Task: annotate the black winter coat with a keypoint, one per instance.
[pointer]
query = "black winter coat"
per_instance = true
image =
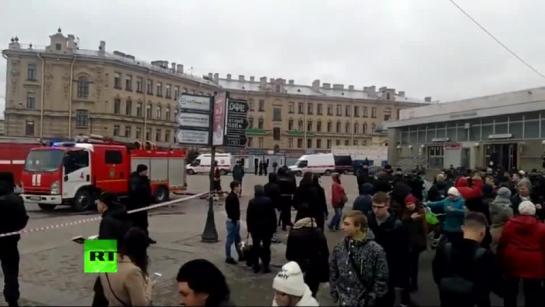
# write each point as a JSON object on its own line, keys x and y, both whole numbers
{"x": 308, "y": 247}
{"x": 310, "y": 201}
{"x": 272, "y": 191}
{"x": 114, "y": 225}
{"x": 13, "y": 215}
{"x": 260, "y": 216}
{"x": 139, "y": 191}
{"x": 232, "y": 207}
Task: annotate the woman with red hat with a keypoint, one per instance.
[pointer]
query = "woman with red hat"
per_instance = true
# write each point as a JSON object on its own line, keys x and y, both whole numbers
{"x": 414, "y": 218}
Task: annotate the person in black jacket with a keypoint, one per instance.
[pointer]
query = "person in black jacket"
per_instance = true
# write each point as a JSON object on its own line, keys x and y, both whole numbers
{"x": 393, "y": 236}
{"x": 232, "y": 206}
{"x": 307, "y": 246}
{"x": 322, "y": 212}
{"x": 261, "y": 223}
{"x": 272, "y": 191}
{"x": 288, "y": 187}
{"x": 13, "y": 218}
{"x": 464, "y": 272}
{"x": 364, "y": 201}
{"x": 139, "y": 197}
{"x": 310, "y": 200}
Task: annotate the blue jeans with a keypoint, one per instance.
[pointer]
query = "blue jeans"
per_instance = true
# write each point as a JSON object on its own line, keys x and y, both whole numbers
{"x": 336, "y": 220}
{"x": 233, "y": 236}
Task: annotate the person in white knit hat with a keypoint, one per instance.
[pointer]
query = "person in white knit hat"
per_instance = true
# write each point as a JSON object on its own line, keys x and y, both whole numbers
{"x": 290, "y": 288}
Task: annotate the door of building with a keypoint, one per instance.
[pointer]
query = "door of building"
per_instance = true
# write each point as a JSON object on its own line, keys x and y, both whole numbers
{"x": 465, "y": 158}
{"x": 502, "y": 155}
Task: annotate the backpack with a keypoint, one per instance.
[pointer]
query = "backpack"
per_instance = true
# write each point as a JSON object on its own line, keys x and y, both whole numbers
{"x": 457, "y": 285}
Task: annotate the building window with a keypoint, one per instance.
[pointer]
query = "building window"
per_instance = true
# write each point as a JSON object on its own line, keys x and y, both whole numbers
{"x": 318, "y": 126}
{"x": 158, "y": 135}
{"x": 82, "y": 118}
{"x": 310, "y": 108}
{"x": 117, "y": 80}
{"x": 291, "y": 107}
{"x": 148, "y": 134}
{"x": 330, "y": 110}
{"x": 329, "y": 126}
{"x": 300, "y": 108}
{"x": 290, "y": 142}
{"x": 117, "y": 106}
{"x": 83, "y": 87}
{"x": 397, "y": 112}
{"x": 309, "y": 125}
{"x": 128, "y": 83}
{"x": 128, "y": 107}
{"x": 249, "y": 143}
{"x": 138, "y": 133}
{"x": 158, "y": 112}
{"x": 338, "y": 127}
{"x": 309, "y": 143}
{"x": 328, "y": 143}
{"x": 167, "y": 114}
{"x": 167, "y": 136}
{"x": 261, "y": 105}
{"x": 30, "y": 101}
{"x": 356, "y": 111}
{"x": 260, "y": 123}
{"x": 290, "y": 124}
{"x": 346, "y": 142}
{"x": 365, "y": 112}
{"x": 29, "y": 128}
{"x": 319, "y": 109}
{"x": 31, "y": 72}
{"x": 250, "y": 122}
{"x": 435, "y": 156}
{"x": 128, "y": 131}
{"x": 347, "y": 127}
{"x": 338, "y": 142}
{"x": 168, "y": 90}
{"x": 139, "y": 85}
{"x": 364, "y": 128}
{"x": 387, "y": 114}
{"x": 318, "y": 143}
{"x": 356, "y": 128}
{"x": 116, "y": 130}
{"x": 339, "y": 110}
{"x": 373, "y": 112}
{"x": 277, "y": 115}
{"x": 355, "y": 143}
{"x": 260, "y": 141}
{"x": 251, "y": 105}
{"x": 148, "y": 111}
{"x": 150, "y": 87}
{"x": 300, "y": 125}
{"x": 176, "y": 92}
{"x": 139, "y": 112}
{"x": 299, "y": 143}
{"x": 58, "y": 47}
{"x": 159, "y": 89}
{"x": 347, "y": 111}
{"x": 276, "y": 134}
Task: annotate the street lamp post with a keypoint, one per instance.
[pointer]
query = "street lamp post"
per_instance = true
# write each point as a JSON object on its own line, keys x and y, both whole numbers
{"x": 210, "y": 234}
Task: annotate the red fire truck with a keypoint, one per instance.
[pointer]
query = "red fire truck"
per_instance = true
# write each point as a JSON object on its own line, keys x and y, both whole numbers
{"x": 75, "y": 173}
{"x": 13, "y": 153}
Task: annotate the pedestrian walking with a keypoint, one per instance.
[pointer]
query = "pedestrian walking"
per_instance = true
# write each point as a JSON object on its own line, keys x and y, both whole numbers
{"x": 522, "y": 251}
{"x": 464, "y": 272}
{"x": 338, "y": 199}
{"x": 393, "y": 236}
{"x": 364, "y": 201}
{"x": 201, "y": 283}
{"x": 140, "y": 197}
{"x": 500, "y": 212}
{"x": 322, "y": 214}
{"x": 261, "y": 167}
{"x": 216, "y": 179}
{"x": 307, "y": 246}
{"x": 454, "y": 209}
{"x": 13, "y": 218}
{"x": 358, "y": 274}
{"x": 256, "y": 166}
{"x": 275, "y": 166}
{"x": 290, "y": 288}
{"x": 238, "y": 174}
{"x": 130, "y": 285}
{"x": 261, "y": 223}
{"x": 272, "y": 191}
{"x": 287, "y": 191}
{"x": 266, "y": 168}
{"x": 307, "y": 198}
{"x": 414, "y": 219}
{"x": 232, "y": 206}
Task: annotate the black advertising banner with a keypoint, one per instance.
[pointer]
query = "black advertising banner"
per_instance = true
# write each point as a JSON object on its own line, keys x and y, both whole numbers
{"x": 236, "y": 123}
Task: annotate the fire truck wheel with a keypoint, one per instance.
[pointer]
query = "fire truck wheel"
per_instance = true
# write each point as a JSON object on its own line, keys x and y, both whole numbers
{"x": 161, "y": 195}
{"x": 47, "y": 207}
{"x": 83, "y": 200}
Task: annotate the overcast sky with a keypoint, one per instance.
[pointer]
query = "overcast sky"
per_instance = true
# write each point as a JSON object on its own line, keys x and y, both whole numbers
{"x": 424, "y": 47}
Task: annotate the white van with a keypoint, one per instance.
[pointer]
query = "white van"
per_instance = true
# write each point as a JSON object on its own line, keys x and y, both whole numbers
{"x": 322, "y": 163}
{"x": 202, "y": 164}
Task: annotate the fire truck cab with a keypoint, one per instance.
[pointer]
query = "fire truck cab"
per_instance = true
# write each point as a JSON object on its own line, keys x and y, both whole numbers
{"x": 72, "y": 173}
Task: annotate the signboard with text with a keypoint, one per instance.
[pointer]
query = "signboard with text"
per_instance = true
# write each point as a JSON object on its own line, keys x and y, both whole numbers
{"x": 236, "y": 123}
{"x": 193, "y": 118}
{"x": 219, "y": 119}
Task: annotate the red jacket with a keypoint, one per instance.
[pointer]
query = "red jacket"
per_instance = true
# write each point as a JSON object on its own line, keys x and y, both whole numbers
{"x": 522, "y": 247}
{"x": 337, "y": 193}
{"x": 475, "y": 191}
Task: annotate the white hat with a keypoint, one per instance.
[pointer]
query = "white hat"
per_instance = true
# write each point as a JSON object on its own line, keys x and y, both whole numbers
{"x": 290, "y": 280}
{"x": 527, "y": 208}
{"x": 454, "y": 191}
{"x": 522, "y": 173}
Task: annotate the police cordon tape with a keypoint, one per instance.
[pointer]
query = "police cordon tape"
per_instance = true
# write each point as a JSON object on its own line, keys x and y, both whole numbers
{"x": 98, "y": 218}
